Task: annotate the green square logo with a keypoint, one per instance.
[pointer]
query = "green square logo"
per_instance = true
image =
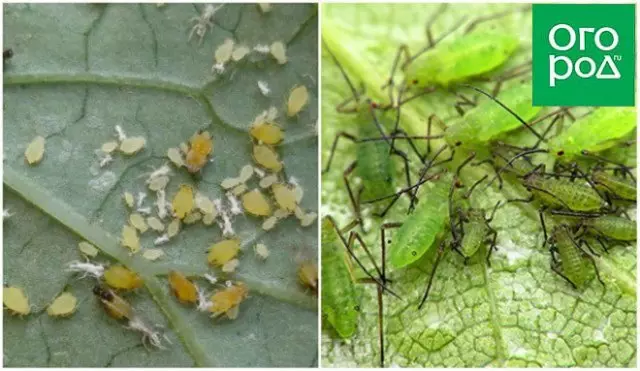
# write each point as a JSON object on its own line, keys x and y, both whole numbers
{"x": 584, "y": 54}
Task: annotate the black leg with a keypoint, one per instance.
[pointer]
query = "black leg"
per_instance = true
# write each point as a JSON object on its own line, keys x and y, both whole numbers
{"x": 341, "y": 134}
{"x": 433, "y": 271}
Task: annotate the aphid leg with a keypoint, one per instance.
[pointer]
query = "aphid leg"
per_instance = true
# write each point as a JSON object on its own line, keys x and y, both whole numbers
{"x": 433, "y": 43}
{"x": 493, "y": 166}
{"x": 474, "y": 185}
{"x": 544, "y": 226}
{"x": 554, "y": 268}
{"x": 624, "y": 169}
{"x": 604, "y": 247}
{"x": 588, "y": 245}
{"x": 432, "y": 275}
{"x": 368, "y": 252}
{"x": 341, "y": 134}
{"x": 345, "y": 176}
{"x": 403, "y": 50}
{"x": 509, "y": 74}
{"x": 493, "y": 212}
{"x": 464, "y": 101}
{"x": 493, "y": 245}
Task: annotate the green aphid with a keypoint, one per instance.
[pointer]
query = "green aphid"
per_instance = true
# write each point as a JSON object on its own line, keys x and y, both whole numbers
{"x": 575, "y": 264}
{"x": 612, "y": 227}
{"x": 623, "y": 188}
{"x": 563, "y": 193}
{"x": 424, "y": 227}
{"x": 339, "y": 301}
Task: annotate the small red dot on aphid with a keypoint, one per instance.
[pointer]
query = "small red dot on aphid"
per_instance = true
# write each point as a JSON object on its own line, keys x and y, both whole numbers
{"x": 415, "y": 82}
{"x": 374, "y": 105}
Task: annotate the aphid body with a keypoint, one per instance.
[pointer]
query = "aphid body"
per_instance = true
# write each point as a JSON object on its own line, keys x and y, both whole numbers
{"x": 573, "y": 263}
{"x": 113, "y": 304}
{"x": 15, "y": 300}
{"x": 614, "y": 227}
{"x": 64, "y": 305}
{"x": 228, "y": 299}
{"x": 200, "y": 147}
{"x": 183, "y": 201}
{"x": 339, "y": 302}
{"x": 563, "y": 193}
{"x": 122, "y": 278}
{"x": 182, "y": 287}
{"x": 308, "y": 275}
{"x": 620, "y": 187}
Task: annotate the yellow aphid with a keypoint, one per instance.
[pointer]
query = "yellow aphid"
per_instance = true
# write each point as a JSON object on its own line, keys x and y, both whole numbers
{"x": 193, "y": 217}
{"x": 109, "y": 147}
{"x": 246, "y": 173}
{"x": 15, "y": 300}
{"x": 63, "y": 305}
{"x": 285, "y": 196}
{"x": 158, "y": 183}
{"x": 255, "y": 203}
{"x": 223, "y": 251}
{"x": 175, "y": 156}
{"x": 279, "y": 52}
{"x": 128, "y": 199}
{"x": 183, "y": 288}
{"x": 299, "y": 193}
{"x": 138, "y": 222}
{"x": 308, "y": 219}
{"x": 264, "y": 7}
{"x": 152, "y": 254}
{"x": 120, "y": 277}
{"x": 268, "y": 180}
{"x": 239, "y": 53}
{"x": 130, "y": 238}
{"x": 87, "y": 249}
{"x": 224, "y": 51}
{"x": 155, "y": 224}
{"x": 308, "y": 275}
{"x": 229, "y": 183}
{"x": 184, "y": 147}
{"x": 173, "y": 228}
{"x": 227, "y": 299}
{"x": 114, "y": 305}
{"x": 204, "y": 204}
{"x": 183, "y": 201}
{"x": 208, "y": 219}
{"x": 269, "y": 223}
{"x": 297, "y": 100}
{"x": 261, "y": 251}
{"x": 240, "y": 189}
{"x": 200, "y": 148}
{"x": 267, "y": 132}
{"x": 281, "y": 213}
{"x": 35, "y": 150}
{"x": 230, "y": 266}
{"x": 266, "y": 157}
{"x": 132, "y": 145}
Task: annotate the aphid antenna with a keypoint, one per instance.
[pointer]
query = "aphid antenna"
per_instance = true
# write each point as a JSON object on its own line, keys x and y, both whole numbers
{"x": 354, "y": 91}
{"x": 523, "y": 122}
{"x": 511, "y": 161}
{"x": 432, "y": 275}
{"x": 428, "y": 165}
{"x": 407, "y": 189}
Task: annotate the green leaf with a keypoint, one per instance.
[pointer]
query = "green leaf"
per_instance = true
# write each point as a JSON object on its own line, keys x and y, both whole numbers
{"x": 79, "y": 70}
{"x": 517, "y": 312}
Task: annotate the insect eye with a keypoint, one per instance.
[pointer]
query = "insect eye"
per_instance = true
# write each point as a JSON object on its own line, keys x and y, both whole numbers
{"x": 560, "y": 153}
{"x": 458, "y": 143}
{"x": 357, "y": 308}
{"x": 414, "y": 253}
{"x": 415, "y": 82}
{"x": 374, "y": 105}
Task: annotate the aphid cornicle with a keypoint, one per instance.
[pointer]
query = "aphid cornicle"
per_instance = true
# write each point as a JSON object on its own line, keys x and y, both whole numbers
{"x": 200, "y": 147}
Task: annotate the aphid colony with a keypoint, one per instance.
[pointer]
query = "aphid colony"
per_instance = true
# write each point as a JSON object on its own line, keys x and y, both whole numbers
{"x": 582, "y": 201}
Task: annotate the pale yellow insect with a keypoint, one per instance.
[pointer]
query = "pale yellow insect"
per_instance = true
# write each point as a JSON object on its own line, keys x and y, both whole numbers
{"x": 173, "y": 228}
{"x": 246, "y": 173}
{"x": 239, "y": 189}
{"x": 261, "y": 251}
{"x": 152, "y": 254}
{"x": 281, "y": 213}
{"x": 223, "y": 251}
{"x": 285, "y": 196}
{"x": 255, "y": 203}
{"x": 109, "y": 147}
{"x": 120, "y": 277}
{"x": 226, "y": 300}
{"x": 279, "y": 52}
{"x": 268, "y": 180}
{"x": 308, "y": 275}
{"x": 87, "y": 249}
{"x": 267, "y": 132}
{"x": 63, "y": 305}
{"x": 204, "y": 204}
{"x": 35, "y": 150}
{"x": 230, "y": 266}
{"x": 269, "y": 223}
{"x": 229, "y": 183}
{"x": 155, "y": 224}
{"x": 158, "y": 183}
{"x": 183, "y": 201}
{"x": 239, "y": 52}
{"x": 297, "y": 100}
{"x": 224, "y": 51}
{"x": 132, "y": 145}
{"x": 182, "y": 287}
{"x": 175, "y": 156}
{"x": 308, "y": 219}
{"x": 266, "y": 157}
{"x": 128, "y": 199}
{"x": 138, "y": 222}
{"x": 15, "y": 300}
{"x": 208, "y": 219}
{"x": 130, "y": 238}
{"x": 200, "y": 147}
